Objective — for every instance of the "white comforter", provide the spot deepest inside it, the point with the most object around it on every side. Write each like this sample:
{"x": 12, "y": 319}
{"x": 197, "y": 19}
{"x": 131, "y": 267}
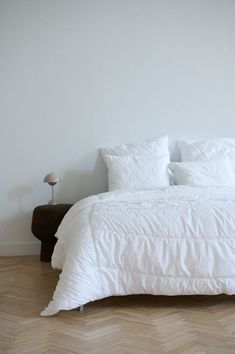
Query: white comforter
{"x": 171, "y": 241}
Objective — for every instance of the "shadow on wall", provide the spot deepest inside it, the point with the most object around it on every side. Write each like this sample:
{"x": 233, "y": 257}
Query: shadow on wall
{"x": 18, "y": 195}
{"x": 17, "y": 225}
{"x": 174, "y": 151}
{"x": 76, "y": 184}
{"x": 20, "y": 223}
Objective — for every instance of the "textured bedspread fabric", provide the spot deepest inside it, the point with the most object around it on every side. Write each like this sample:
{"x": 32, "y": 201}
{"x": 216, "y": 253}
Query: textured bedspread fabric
{"x": 170, "y": 241}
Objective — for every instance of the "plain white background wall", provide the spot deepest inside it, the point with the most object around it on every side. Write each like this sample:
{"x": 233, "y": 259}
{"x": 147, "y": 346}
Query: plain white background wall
{"x": 77, "y": 75}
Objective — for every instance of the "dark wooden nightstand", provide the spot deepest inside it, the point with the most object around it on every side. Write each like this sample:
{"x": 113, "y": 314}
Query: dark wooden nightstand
{"x": 45, "y": 222}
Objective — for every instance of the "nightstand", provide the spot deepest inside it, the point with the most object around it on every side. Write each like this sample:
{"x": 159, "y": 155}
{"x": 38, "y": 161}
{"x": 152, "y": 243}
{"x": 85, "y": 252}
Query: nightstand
{"x": 45, "y": 222}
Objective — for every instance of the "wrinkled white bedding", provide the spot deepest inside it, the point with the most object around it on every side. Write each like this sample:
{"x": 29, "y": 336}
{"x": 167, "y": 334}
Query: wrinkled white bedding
{"x": 171, "y": 241}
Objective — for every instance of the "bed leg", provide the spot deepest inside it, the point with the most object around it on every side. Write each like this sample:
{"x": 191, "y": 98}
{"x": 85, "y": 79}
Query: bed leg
{"x": 80, "y": 308}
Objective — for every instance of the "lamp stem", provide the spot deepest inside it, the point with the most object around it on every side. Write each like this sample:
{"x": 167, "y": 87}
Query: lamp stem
{"x": 52, "y": 195}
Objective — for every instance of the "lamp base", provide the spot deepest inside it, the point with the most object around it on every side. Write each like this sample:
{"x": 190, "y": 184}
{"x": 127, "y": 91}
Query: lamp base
{"x": 51, "y": 202}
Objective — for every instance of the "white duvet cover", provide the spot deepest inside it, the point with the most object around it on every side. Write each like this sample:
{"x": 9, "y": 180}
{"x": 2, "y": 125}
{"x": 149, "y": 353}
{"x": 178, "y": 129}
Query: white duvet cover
{"x": 171, "y": 241}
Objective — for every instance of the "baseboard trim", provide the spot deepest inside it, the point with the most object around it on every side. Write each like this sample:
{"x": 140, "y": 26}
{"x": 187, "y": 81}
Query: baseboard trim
{"x": 19, "y": 249}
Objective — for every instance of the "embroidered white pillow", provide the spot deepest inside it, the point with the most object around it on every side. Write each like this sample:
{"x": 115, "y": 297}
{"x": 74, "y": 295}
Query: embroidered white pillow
{"x": 155, "y": 147}
{"x": 137, "y": 172}
{"x": 203, "y": 173}
{"x": 208, "y": 149}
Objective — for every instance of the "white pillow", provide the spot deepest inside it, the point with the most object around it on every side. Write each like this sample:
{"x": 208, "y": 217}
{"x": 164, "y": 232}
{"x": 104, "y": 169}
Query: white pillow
{"x": 155, "y": 147}
{"x": 137, "y": 172}
{"x": 203, "y": 173}
{"x": 208, "y": 149}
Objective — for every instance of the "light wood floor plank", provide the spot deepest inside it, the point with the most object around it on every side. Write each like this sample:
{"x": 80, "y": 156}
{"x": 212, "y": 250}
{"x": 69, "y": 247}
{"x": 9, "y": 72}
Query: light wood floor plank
{"x": 120, "y": 325}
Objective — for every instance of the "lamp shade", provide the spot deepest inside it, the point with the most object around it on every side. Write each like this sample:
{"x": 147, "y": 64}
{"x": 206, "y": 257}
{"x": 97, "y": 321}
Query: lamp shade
{"x": 51, "y": 178}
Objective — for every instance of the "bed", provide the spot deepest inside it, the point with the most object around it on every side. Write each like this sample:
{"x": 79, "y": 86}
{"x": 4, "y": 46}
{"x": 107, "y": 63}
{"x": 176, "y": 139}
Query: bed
{"x": 173, "y": 240}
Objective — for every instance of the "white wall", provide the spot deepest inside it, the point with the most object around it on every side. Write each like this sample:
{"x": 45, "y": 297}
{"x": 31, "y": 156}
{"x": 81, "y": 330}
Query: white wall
{"x": 77, "y": 75}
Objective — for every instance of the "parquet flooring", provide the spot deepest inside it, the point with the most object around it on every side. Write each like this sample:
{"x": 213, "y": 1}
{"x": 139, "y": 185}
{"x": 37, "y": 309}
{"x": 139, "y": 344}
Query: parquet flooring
{"x": 127, "y": 325}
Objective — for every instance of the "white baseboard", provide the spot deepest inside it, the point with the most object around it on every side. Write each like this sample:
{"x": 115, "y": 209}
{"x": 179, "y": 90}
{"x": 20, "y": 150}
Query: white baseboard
{"x": 19, "y": 249}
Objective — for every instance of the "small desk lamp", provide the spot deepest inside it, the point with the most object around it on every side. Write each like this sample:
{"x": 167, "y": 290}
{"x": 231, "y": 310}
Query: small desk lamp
{"x": 51, "y": 179}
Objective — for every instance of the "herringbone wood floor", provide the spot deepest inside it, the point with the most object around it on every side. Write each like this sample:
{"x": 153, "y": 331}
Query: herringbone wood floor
{"x": 134, "y": 324}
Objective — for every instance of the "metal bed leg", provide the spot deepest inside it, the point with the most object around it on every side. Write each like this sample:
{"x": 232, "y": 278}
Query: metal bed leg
{"x": 80, "y": 308}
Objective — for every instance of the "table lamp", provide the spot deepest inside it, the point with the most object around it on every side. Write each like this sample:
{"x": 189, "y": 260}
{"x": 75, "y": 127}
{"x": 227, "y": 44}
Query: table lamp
{"x": 51, "y": 178}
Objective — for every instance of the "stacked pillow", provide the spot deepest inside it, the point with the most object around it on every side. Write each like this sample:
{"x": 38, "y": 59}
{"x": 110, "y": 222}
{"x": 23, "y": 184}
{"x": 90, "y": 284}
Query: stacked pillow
{"x": 207, "y": 162}
{"x": 147, "y": 165}
{"x": 138, "y": 166}
{"x": 217, "y": 172}
{"x": 205, "y": 150}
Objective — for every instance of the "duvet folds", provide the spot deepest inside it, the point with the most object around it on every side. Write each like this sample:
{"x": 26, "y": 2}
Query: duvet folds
{"x": 177, "y": 240}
